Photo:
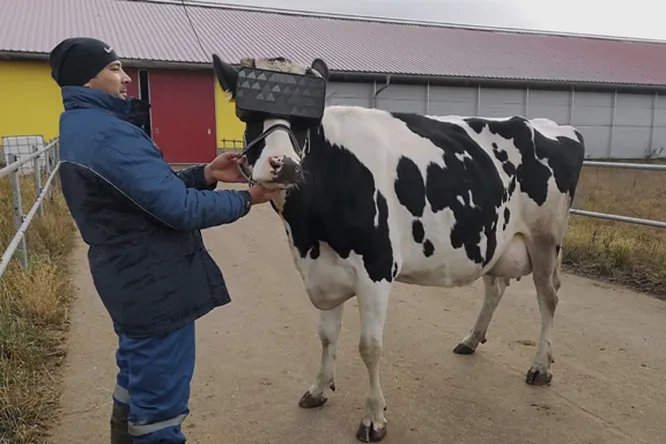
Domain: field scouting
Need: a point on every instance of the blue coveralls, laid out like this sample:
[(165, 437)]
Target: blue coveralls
[(141, 221)]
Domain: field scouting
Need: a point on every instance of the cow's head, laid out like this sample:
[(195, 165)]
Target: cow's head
[(275, 137)]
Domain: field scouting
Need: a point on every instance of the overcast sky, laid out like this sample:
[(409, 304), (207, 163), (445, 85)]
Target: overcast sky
[(635, 18)]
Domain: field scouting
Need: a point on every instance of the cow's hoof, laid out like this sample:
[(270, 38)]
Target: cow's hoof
[(536, 376), (370, 433), (309, 401), (463, 349)]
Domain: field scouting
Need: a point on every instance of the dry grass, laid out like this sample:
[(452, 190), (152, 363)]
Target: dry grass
[(631, 254), (33, 315)]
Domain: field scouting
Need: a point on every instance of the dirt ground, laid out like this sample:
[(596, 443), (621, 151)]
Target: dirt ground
[(258, 355)]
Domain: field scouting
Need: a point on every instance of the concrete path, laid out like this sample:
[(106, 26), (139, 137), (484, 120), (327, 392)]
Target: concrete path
[(259, 354)]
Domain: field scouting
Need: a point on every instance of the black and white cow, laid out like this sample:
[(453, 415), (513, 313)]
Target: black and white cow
[(376, 197)]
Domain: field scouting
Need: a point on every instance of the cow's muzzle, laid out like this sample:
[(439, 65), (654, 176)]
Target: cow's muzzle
[(285, 170)]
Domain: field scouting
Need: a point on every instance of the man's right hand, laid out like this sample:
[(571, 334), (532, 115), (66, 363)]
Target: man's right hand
[(261, 194)]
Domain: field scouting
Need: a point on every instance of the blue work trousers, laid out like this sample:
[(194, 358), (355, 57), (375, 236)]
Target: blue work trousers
[(154, 380)]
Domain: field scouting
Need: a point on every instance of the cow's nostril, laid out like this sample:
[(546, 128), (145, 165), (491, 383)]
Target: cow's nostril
[(275, 163)]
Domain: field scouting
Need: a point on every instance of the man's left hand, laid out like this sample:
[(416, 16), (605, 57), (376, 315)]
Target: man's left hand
[(225, 169)]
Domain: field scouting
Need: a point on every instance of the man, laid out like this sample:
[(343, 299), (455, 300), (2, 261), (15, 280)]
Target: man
[(141, 222)]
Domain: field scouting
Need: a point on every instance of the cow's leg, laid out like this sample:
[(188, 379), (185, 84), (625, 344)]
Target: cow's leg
[(330, 322), (373, 305), (547, 282), (493, 292)]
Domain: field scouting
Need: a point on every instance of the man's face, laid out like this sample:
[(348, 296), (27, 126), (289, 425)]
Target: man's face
[(112, 79)]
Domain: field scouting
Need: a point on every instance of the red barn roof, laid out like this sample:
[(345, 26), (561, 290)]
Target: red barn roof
[(160, 31)]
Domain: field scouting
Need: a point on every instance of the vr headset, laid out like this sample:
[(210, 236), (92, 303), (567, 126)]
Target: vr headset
[(262, 94)]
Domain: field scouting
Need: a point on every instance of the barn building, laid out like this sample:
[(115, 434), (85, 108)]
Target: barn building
[(613, 90)]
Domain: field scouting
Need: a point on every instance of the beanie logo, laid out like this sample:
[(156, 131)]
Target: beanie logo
[(108, 50)]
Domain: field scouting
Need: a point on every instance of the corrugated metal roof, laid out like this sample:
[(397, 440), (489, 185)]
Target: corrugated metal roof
[(161, 32)]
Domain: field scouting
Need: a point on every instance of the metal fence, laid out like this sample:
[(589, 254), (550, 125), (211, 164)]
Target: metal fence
[(615, 217), (43, 160), (46, 159), (230, 145)]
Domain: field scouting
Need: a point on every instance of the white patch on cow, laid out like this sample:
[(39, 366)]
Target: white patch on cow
[(277, 146), (471, 199), (374, 198), (274, 64), (552, 130)]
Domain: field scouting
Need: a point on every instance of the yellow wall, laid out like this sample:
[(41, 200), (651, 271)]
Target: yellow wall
[(228, 125), (30, 101)]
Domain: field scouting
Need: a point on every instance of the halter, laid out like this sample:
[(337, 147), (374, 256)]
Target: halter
[(301, 152)]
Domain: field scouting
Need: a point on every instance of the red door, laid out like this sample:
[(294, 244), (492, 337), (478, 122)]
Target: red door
[(183, 115)]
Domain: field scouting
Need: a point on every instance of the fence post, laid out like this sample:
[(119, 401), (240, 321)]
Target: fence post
[(38, 179), (53, 160), (18, 208)]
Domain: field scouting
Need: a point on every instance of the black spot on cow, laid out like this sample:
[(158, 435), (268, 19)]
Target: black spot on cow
[(512, 186), (418, 231), (476, 174), (331, 208), (394, 272), (509, 168), (428, 248), (565, 158), (507, 215), (409, 187), (500, 155), (476, 124), (315, 251), (532, 174)]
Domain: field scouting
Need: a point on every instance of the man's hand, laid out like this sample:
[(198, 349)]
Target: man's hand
[(225, 169), (261, 194)]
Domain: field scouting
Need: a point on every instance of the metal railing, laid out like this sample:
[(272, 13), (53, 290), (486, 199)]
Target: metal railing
[(230, 145), (615, 217), (51, 163)]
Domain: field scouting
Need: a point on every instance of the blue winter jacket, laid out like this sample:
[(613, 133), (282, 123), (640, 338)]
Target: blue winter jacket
[(140, 219)]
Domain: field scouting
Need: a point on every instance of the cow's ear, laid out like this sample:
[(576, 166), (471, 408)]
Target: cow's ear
[(226, 75), (321, 67)]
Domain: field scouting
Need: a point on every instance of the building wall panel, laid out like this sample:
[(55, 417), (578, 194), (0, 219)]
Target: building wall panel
[(31, 101), (592, 115), (659, 135), (446, 100), (403, 98), (632, 125), (502, 102), (659, 141), (351, 94), (553, 104)]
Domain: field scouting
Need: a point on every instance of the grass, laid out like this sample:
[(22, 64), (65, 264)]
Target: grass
[(33, 315), (620, 252)]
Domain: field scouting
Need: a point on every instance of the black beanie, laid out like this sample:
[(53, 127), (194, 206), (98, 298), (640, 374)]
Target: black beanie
[(75, 61)]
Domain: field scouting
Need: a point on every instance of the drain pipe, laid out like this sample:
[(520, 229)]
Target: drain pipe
[(382, 88)]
